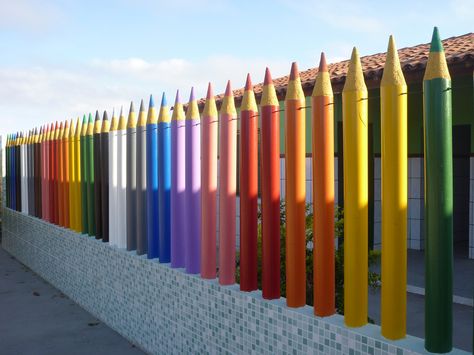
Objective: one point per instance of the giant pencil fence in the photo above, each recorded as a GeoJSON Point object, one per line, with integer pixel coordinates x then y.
{"type": "Point", "coordinates": [150, 184]}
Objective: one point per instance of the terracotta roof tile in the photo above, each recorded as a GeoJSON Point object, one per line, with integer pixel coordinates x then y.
{"type": "Point", "coordinates": [459, 53]}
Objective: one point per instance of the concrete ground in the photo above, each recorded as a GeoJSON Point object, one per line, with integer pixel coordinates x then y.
{"type": "Point", "coordinates": [37, 319]}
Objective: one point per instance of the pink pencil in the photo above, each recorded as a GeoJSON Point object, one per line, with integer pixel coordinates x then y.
{"type": "Point", "coordinates": [227, 189]}
{"type": "Point", "coordinates": [209, 123]}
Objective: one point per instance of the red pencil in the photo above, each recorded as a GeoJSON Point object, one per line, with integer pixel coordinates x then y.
{"type": "Point", "coordinates": [270, 147]}
{"type": "Point", "coordinates": [248, 189]}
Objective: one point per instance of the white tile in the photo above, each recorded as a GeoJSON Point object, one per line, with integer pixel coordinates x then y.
{"type": "Point", "coordinates": [309, 192]}
{"type": "Point", "coordinates": [377, 189]}
{"type": "Point", "coordinates": [282, 168]}
{"type": "Point", "coordinates": [377, 233]}
{"type": "Point", "coordinates": [335, 168]}
{"type": "Point", "coordinates": [377, 211]}
{"type": "Point", "coordinates": [377, 168]}
{"type": "Point", "coordinates": [414, 229]}
{"type": "Point", "coordinates": [309, 169]}
{"type": "Point", "coordinates": [414, 208]}
{"type": "Point", "coordinates": [282, 189]}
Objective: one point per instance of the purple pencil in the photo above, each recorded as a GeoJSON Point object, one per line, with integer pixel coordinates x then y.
{"type": "Point", "coordinates": [177, 182]}
{"type": "Point", "coordinates": [193, 187]}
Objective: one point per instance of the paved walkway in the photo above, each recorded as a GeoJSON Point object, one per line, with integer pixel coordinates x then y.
{"type": "Point", "coordinates": [37, 319]}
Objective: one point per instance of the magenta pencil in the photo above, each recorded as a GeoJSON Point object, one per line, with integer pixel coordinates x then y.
{"type": "Point", "coordinates": [227, 188]}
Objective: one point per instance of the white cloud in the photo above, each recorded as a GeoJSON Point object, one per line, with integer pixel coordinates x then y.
{"type": "Point", "coordinates": [28, 15]}
{"type": "Point", "coordinates": [33, 96]}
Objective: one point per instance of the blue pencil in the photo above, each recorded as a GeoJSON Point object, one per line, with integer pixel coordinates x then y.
{"type": "Point", "coordinates": [164, 181]}
{"type": "Point", "coordinates": [152, 181]}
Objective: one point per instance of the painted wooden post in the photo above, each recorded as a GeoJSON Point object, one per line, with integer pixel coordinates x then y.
{"type": "Point", "coordinates": [323, 193]}
{"type": "Point", "coordinates": [99, 232]}
{"type": "Point", "coordinates": [164, 184]}
{"type": "Point", "coordinates": [248, 188]}
{"type": "Point", "coordinates": [438, 162]}
{"type": "Point", "coordinates": [113, 181]}
{"type": "Point", "coordinates": [90, 177]}
{"type": "Point", "coordinates": [178, 179]}
{"type": "Point", "coordinates": [227, 187]}
{"type": "Point", "coordinates": [152, 181]}
{"type": "Point", "coordinates": [122, 202]}
{"type": "Point", "coordinates": [104, 175]}
{"type": "Point", "coordinates": [355, 140]}
{"type": "Point", "coordinates": [193, 187]}
{"type": "Point", "coordinates": [394, 144]}
{"type": "Point", "coordinates": [270, 170]}
{"type": "Point", "coordinates": [295, 191]}
{"type": "Point", "coordinates": [141, 231]}
{"type": "Point", "coordinates": [131, 180]}
{"type": "Point", "coordinates": [209, 129]}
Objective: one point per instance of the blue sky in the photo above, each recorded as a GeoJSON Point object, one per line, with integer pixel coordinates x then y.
{"type": "Point", "coordinates": [60, 59]}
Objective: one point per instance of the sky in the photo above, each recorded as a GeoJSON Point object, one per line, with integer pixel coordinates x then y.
{"type": "Point", "coordinates": [61, 59]}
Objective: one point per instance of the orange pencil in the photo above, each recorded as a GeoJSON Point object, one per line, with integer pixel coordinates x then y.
{"type": "Point", "coordinates": [295, 191]}
{"type": "Point", "coordinates": [323, 193]}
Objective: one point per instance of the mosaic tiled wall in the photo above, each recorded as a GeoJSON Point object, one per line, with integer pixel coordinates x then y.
{"type": "Point", "coordinates": [165, 311]}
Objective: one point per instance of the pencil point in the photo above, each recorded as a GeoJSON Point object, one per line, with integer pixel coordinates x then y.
{"type": "Point", "coordinates": [191, 95]}
{"type": "Point", "coordinates": [268, 77]}
{"type": "Point", "coordinates": [164, 102]}
{"type": "Point", "coordinates": [152, 103]}
{"type": "Point", "coordinates": [142, 107]}
{"type": "Point", "coordinates": [355, 76]}
{"type": "Point", "coordinates": [228, 89]}
{"type": "Point", "coordinates": [294, 90]}
{"type": "Point", "coordinates": [322, 63]}
{"type": "Point", "coordinates": [248, 82]}
{"type": "Point", "coordinates": [294, 71]}
{"type": "Point", "coordinates": [436, 45]}
{"type": "Point", "coordinates": [392, 72]}
{"type": "Point", "coordinates": [210, 93]}
{"type": "Point", "coordinates": [177, 100]}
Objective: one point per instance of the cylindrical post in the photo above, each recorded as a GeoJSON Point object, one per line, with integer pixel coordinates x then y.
{"type": "Point", "coordinates": [355, 141]}
{"type": "Point", "coordinates": [152, 181]}
{"type": "Point", "coordinates": [78, 176]}
{"type": "Point", "coordinates": [438, 161]}
{"type": "Point", "coordinates": [192, 214]}
{"type": "Point", "coordinates": [248, 188]}
{"type": "Point", "coordinates": [104, 175]}
{"type": "Point", "coordinates": [394, 144]}
{"type": "Point", "coordinates": [141, 231]}
{"type": "Point", "coordinates": [227, 187]}
{"type": "Point", "coordinates": [122, 202]}
{"type": "Point", "coordinates": [164, 183]}
{"type": "Point", "coordinates": [90, 177]}
{"type": "Point", "coordinates": [99, 233]}
{"type": "Point", "coordinates": [113, 181]}
{"type": "Point", "coordinates": [270, 175]}
{"type": "Point", "coordinates": [38, 174]}
{"type": "Point", "coordinates": [72, 177]}
{"type": "Point", "coordinates": [60, 166]}
{"type": "Point", "coordinates": [54, 177]}
{"type": "Point", "coordinates": [178, 179]}
{"type": "Point", "coordinates": [84, 167]}
{"type": "Point", "coordinates": [295, 191]}
{"type": "Point", "coordinates": [66, 163]}
{"type": "Point", "coordinates": [209, 125]}
{"type": "Point", "coordinates": [323, 193]}
{"type": "Point", "coordinates": [45, 191]}
{"type": "Point", "coordinates": [131, 180]}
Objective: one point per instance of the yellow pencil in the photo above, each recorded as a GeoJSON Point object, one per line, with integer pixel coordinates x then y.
{"type": "Point", "coordinates": [356, 198]}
